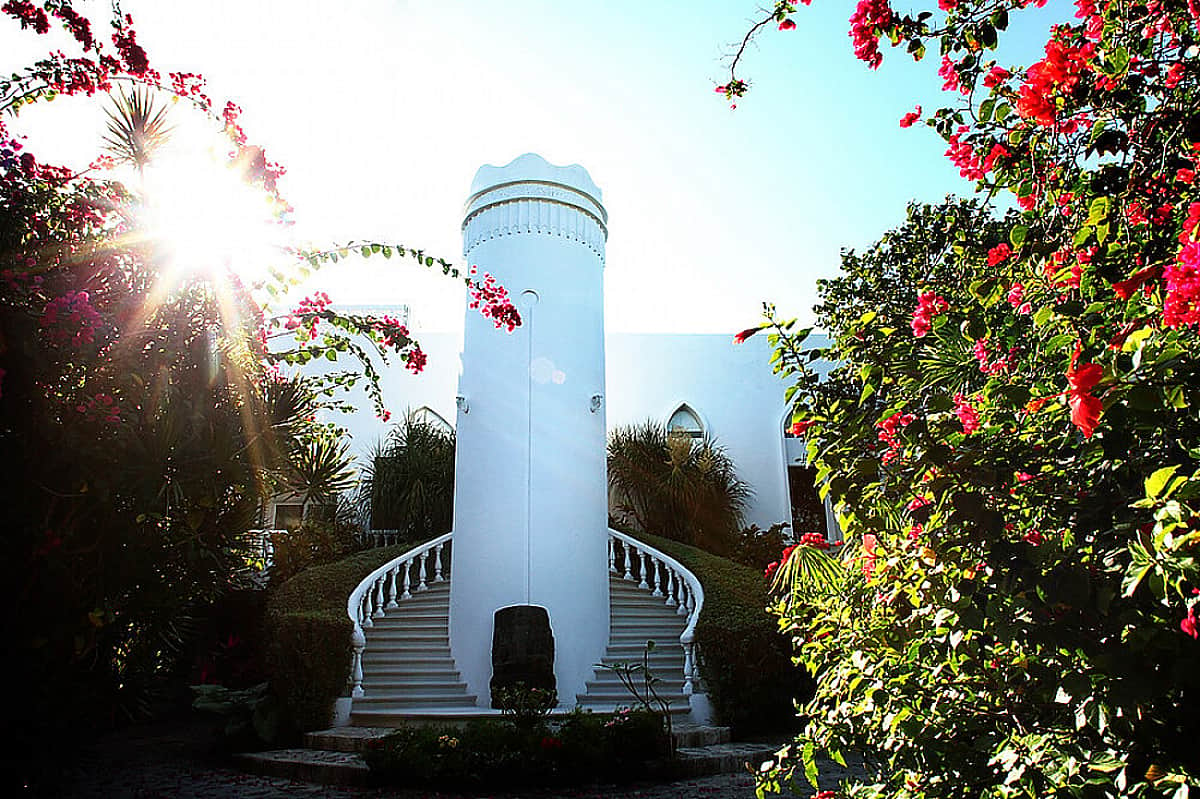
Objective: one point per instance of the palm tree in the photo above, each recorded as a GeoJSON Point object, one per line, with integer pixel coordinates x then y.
{"type": "Point", "coordinates": [676, 486]}
{"type": "Point", "coordinates": [408, 483]}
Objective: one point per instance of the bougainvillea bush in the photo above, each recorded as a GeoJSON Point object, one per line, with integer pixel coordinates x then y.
{"type": "Point", "coordinates": [142, 414]}
{"type": "Point", "coordinates": [1011, 438]}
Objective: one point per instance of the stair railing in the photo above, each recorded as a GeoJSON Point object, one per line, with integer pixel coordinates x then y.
{"type": "Point", "coordinates": [384, 588]}
{"type": "Point", "coordinates": [664, 577]}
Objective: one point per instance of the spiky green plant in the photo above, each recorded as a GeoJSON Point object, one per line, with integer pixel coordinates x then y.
{"type": "Point", "coordinates": [408, 482]}
{"type": "Point", "coordinates": [137, 127]}
{"type": "Point", "coordinates": [679, 487]}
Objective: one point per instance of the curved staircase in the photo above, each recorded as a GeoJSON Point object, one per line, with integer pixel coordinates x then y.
{"type": "Point", "coordinates": [403, 669]}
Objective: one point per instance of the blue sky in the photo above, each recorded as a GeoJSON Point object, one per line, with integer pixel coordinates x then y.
{"type": "Point", "coordinates": [383, 109]}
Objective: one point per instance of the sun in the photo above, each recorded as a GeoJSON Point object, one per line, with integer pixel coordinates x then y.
{"type": "Point", "coordinates": [205, 220]}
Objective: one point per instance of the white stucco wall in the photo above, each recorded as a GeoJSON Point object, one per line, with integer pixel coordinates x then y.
{"type": "Point", "coordinates": [530, 498]}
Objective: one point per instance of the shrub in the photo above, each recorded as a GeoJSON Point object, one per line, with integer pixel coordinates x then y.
{"type": "Point", "coordinates": [308, 635]}
{"type": "Point", "coordinates": [672, 485]}
{"type": "Point", "coordinates": [492, 753]}
{"type": "Point", "coordinates": [745, 662]}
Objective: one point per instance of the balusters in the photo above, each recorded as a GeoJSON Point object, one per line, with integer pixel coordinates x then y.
{"type": "Point", "coordinates": [644, 569]}
{"type": "Point", "coordinates": [407, 566]}
{"type": "Point", "coordinates": [685, 597]}
{"type": "Point", "coordinates": [657, 578]}
{"type": "Point", "coordinates": [364, 610]}
{"type": "Point", "coordinates": [437, 563]}
{"type": "Point", "coordinates": [378, 603]}
{"type": "Point", "coordinates": [688, 663]}
{"type": "Point", "coordinates": [391, 590]}
{"type": "Point", "coordinates": [627, 559]}
{"type": "Point", "coordinates": [421, 570]}
{"type": "Point", "coordinates": [612, 555]}
{"type": "Point", "coordinates": [671, 585]}
{"type": "Point", "coordinates": [358, 642]}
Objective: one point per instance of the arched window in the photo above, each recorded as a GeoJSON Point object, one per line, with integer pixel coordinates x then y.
{"type": "Point", "coordinates": [427, 415]}
{"type": "Point", "coordinates": [686, 421]}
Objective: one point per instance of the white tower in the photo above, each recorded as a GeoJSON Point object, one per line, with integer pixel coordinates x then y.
{"type": "Point", "coordinates": [530, 486]}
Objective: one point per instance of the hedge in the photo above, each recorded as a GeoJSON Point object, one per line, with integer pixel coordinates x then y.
{"type": "Point", "coordinates": [308, 635]}
{"type": "Point", "coordinates": [745, 662]}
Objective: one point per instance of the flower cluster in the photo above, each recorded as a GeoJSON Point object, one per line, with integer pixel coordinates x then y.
{"type": "Point", "coordinates": [71, 319]}
{"type": "Point", "coordinates": [993, 365]}
{"type": "Point", "coordinates": [415, 360]}
{"type": "Point", "coordinates": [1057, 75]}
{"type": "Point", "coordinates": [966, 413]}
{"type": "Point", "coordinates": [1182, 277]}
{"type": "Point", "coordinates": [870, 20]}
{"type": "Point", "coordinates": [889, 429]}
{"type": "Point", "coordinates": [929, 305]}
{"type": "Point", "coordinates": [815, 540]}
{"type": "Point", "coordinates": [100, 408]}
{"type": "Point", "coordinates": [491, 299]}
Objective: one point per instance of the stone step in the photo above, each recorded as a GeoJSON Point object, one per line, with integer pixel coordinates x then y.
{"type": "Point", "coordinates": [327, 767]}
{"type": "Point", "coordinates": [338, 767]}
{"type": "Point", "coordinates": [386, 688]}
{"type": "Point", "coordinates": [356, 739]}
{"type": "Point", "coordinates": [401, 637]}
{"type": "Point", "coordinates": [439, 662]}
{"type": "Point", "coordinates": [390, 650]}
{"type": "Point", "coordinates": [394, 700]}
{"type": "Point", "coordinates": [416, 675]}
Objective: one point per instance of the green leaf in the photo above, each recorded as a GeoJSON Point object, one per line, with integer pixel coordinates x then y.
{"type": "Point", "coordinates": [1098, 210]}
{"type": "Point", "coordinates": [1156, 482]}
{"type": "Point", "coordinates": [1017, 235]}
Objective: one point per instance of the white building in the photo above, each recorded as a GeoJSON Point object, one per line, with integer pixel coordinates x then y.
{"type": "Point", "coordinates": [531, 410]}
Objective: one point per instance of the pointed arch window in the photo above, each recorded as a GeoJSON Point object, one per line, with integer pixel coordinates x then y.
{"type": "Point", "coordinates": [427, 415]}
{"type": "Point", "coordinates": [685, 421]}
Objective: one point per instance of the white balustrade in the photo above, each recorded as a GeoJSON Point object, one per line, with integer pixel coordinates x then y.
{"type": "Point", "coordinates": [633, 560]}
{"type": "Point", "coordinates": [377, 593]}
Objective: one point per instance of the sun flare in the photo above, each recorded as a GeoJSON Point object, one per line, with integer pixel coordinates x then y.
{"type": "Point", "coordinates": [206, 220]}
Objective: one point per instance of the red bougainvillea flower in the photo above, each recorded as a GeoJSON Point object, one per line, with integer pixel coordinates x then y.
{"type": "Point", "coordinates": [814, 540]}
{"type": "Point", "coordinates": [908, 119]}
{"type": "Point", "coordinates": [787, 25]}
{"type": "Point", "coordinates": [1085, 408]}
{"type": "Point", "coordinates": [999, 254]}
{"type": "Point", "coordinates": [745, 334]}
{"type": "Point", "coordinates": [929, 305]}
{"type": "Point", "coordinates": [800, 428]}
{"type": "Point", "coordinates": [772, 567]}
{"type": "Point", "coordinates": [1034, 538]}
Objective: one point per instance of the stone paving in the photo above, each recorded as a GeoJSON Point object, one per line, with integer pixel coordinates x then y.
{"type": "Point", "coordinates": [169, 763]}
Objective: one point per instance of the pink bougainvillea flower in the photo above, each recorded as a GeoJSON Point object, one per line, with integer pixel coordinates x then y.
{"type": "Point", "coordinates": [929, 305]}
{"type": "Point", "coordinates": [787, 25]}
{"type": "Point", "coordinates": [908, 119]}
{"type": "Point", "coordinates": [1190, 623]}
{"type": "Point", "coordinates": [1034, 538]}
{"type": "Point", "coordinates": [966, 414]}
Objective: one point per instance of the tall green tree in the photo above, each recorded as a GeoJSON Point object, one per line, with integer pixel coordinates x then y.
{"type": "Point", "coordinates": [1011, 441]}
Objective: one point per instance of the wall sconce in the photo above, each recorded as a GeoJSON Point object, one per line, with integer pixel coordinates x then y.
{"type": "Point", "coordinates": [597, 401]}
{"type": "Point", "coordinates": [461, 403]}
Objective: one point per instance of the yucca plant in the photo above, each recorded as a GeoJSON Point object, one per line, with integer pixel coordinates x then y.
{"type": "Point", "coordinates": [679, 487]}
{"type": "Point", "coordinates": [137, 127]}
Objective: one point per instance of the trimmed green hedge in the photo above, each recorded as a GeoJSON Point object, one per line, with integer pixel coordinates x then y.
{"type": "Point", "coordinates": [308, 635]}
{"type": "Point", "coordinates": [746, 662]}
